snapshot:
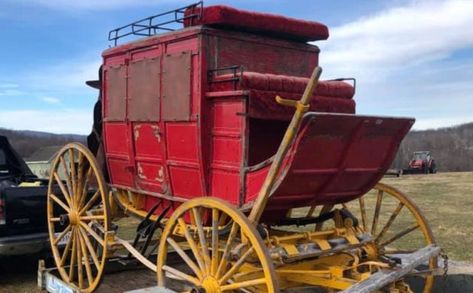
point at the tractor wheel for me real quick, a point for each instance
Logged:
(219, 248)
(78, 217)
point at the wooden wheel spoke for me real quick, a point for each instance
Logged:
(80, 275)
(59, 202)
(66, 194)
(203, 242)
(222, 219)
(379, 200)
(79, 179)
(239, 259)
(236, 266)
(185, 257)
(224, 260)
(72, 170)
(67, 249)
(62, 234)
(400, 235)
(244, 284)
(215, 252)
(85, 255)
(181, 275)
(81, 261)
(89, 230)
(192, 244)
(390, 221)
(90, 248)
(73, 258)
(364, 220)
(84, 187)
(90, 203)
(66, 173)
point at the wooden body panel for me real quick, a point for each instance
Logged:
(200, 133)
(155, 147)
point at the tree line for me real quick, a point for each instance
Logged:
(27, 142)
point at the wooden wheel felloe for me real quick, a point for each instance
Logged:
(221, 250)
(78, 217)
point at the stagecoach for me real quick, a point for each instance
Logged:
(248, 173)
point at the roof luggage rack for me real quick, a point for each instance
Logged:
(157, 23)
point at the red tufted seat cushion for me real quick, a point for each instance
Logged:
(277, 25)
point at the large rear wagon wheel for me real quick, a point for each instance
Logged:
(78, 217)
(397, 226)
(220, 250)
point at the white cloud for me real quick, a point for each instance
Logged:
(422, 31)
(64, 121)
(50, 100)
(405, 61)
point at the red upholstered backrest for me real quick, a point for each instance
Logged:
(266, 23)
(292, 84)
(329, 96)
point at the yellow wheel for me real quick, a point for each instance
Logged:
(395, 223)
(219, 248)
(78, 217)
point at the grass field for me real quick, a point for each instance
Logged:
(446, 199)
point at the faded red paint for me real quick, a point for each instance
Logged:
(176, 128)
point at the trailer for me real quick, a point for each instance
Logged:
(239, 161)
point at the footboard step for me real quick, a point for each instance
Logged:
(154, 289)
(385, 277)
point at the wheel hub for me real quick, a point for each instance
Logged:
(73, 217)
(210, 285)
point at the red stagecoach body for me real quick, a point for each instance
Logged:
(191, 113)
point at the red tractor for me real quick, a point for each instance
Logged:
(422, 162)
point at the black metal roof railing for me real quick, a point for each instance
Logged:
(157, 23)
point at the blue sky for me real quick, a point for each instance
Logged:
(410, 57)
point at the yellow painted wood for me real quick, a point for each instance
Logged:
(249, 265)
(289, 136)
(75, 262)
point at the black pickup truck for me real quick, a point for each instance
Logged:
(23, 225)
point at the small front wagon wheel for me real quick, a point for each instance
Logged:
(220, 250)
(78, 217)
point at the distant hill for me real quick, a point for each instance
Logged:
(452, 147)
(26, 142)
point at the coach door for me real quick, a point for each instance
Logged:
(144, 116)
